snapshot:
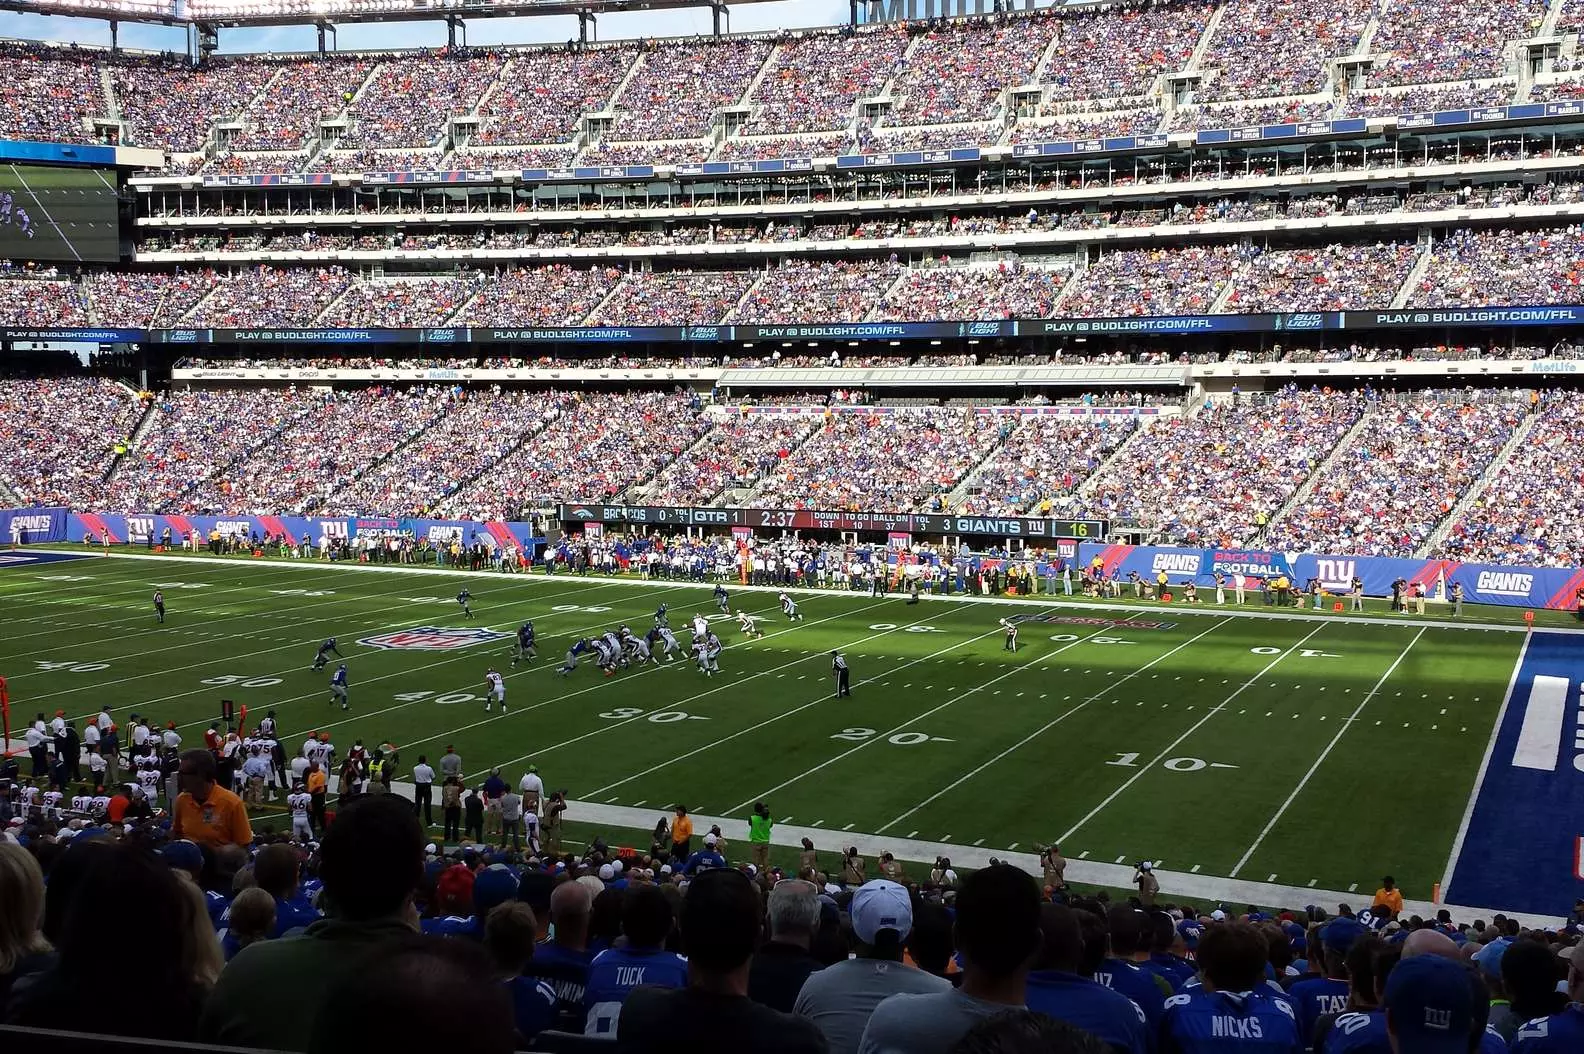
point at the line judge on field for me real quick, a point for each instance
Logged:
(841, 673)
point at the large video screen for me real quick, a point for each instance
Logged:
(58, 214)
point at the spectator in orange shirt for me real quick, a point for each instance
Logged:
(205, 812)
(681, 834)
(1390, 895)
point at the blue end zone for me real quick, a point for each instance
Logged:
(1522, 849)
(23, 558)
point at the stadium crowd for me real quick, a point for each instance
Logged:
(1218, 477)
(529, 942)
(907, 459)
(1039, 460)
(1526, 514)
(1400, 474)
(58, 437)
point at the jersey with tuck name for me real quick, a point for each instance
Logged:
(613, 975)
(1202, 1022)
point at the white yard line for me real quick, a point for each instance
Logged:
(1479, 779)
(824, 697)
(606, 682)
(1045, 728)
(919, 717)
(1342, 731)
(1114, 795)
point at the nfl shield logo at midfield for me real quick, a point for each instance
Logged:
(432, 638)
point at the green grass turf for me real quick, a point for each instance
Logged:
(1216, 746)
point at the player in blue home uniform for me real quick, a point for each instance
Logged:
(646, 921)
(525, 643)
(1233, 1010)
(320, 662)
(466, 600)
(581, 646)
(338, 686)
(660, 616)
(720, 599)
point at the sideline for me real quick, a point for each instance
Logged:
(955, 598)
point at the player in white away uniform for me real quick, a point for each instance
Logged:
(637, 648)
(149, 777)
(700, 652)
(494, 688)
(51, 801)
(614, 642)
(700, 626)
(299, 802)
(749, 624)
(789, 608)
(607, 655)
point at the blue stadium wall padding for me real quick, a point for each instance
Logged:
(33, 525)
(139, 529)
(1533, 587)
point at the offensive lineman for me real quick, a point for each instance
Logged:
(494, 688)
(320, 662)
(789, 608)
(525, 643)
(637, 648)
(338, 686)
(664, 635)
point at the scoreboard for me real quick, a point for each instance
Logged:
(820, 520)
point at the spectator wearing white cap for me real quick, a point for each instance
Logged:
(841, 998)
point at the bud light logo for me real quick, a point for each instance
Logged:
(1504, 583)
(442, 336)
(1336, 574)
(182, 336)
(1176, 563)
(1309, 321)
(983, 329)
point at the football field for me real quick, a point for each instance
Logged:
(1309, 752)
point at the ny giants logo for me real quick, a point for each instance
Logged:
(432, 638)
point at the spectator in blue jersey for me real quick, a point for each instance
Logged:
(510, 930)
(783, 963)
(277, 870)
(1368, 960)
(1233, 1009)
(721, 916)
(639, 959)
(1062, 985)
(704, 858)
(474, 894)
(1123, 968)
(1435, 1005)
(841, 998)
(563, 960)
(997, 933)
(1562, 1031)
(1166, 948)
(1328, 993)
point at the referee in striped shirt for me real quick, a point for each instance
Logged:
(839, 668)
